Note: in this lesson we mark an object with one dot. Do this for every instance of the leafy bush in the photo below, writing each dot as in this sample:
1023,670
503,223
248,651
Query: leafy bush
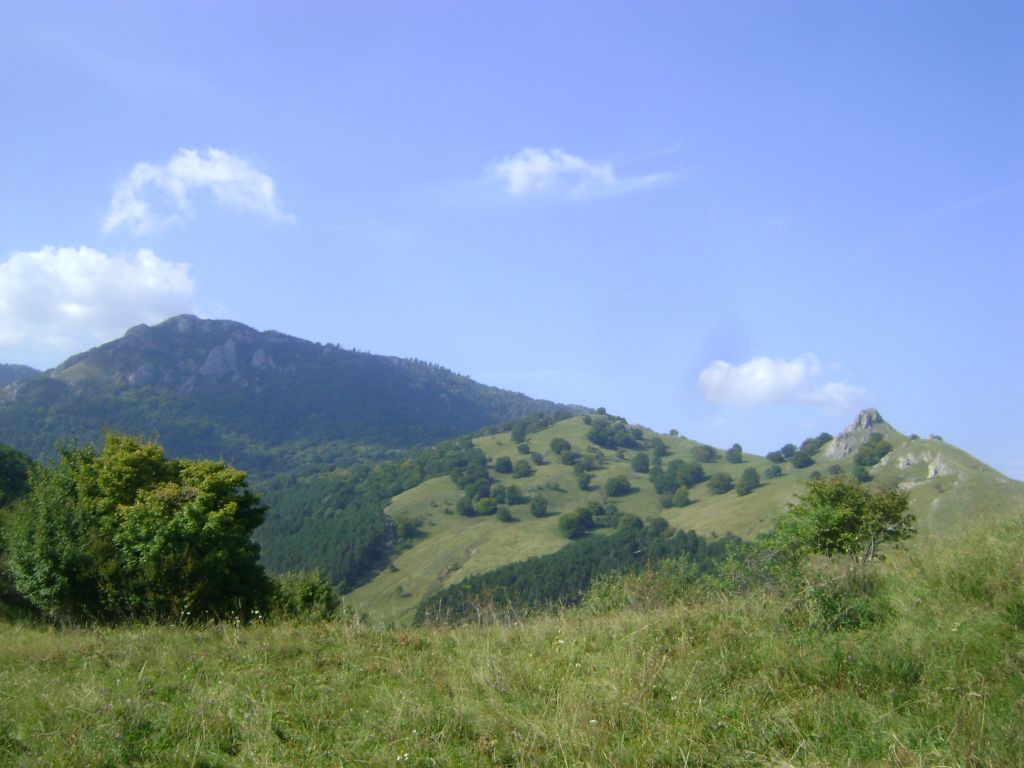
303,596
720,483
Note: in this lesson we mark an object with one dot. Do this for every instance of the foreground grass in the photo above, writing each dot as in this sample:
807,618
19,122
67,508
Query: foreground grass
724,680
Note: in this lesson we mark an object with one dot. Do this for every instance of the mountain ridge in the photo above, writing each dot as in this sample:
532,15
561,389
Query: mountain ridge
221,388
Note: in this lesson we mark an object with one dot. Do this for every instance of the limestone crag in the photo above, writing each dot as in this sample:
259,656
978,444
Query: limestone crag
851,438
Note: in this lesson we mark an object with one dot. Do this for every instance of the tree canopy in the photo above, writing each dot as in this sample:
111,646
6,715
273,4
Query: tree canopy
125,533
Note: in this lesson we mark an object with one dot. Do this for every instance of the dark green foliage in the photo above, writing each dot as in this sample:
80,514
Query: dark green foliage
704,454
560,445
613,432
801,459
719,483
303,596
773,471
12,373
519,431
584,480
485,506
537,458
735,454
265,402
861,475
872,451
508,494
775,457
505,515
787,450
539,506
335,522
14,471
562,578
129,534
641,463
677,473
617,486
748,482
657,446
815,475
569,458
576,524
835,469
813,444
503,464
523,448
681,498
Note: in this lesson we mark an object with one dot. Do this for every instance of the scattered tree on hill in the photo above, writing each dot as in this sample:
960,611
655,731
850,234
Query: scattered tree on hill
748,481
872,451
126,533
503,464
836,516
617,486
834,469
801,459
787,450
522,468
583,481
705,454
611,432
681,498
657,446
523,448
735,454
539,506
775,457
719,483
773,471
641,462
505,515
560,445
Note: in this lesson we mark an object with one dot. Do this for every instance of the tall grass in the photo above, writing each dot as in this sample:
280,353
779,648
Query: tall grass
935,679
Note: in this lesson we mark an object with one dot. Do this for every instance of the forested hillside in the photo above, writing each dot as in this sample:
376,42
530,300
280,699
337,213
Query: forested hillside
265,401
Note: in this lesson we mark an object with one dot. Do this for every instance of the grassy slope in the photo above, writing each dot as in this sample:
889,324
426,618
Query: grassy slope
716,681
455,547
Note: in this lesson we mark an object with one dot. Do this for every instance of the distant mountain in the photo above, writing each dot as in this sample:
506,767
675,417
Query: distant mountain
12,373
263,400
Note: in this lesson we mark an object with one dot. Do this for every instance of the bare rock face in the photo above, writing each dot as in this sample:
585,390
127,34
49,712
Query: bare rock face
221,361
851,438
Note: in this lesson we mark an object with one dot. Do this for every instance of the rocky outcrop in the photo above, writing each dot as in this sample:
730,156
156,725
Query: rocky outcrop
851,438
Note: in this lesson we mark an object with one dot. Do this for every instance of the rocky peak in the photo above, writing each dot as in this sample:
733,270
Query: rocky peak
851,438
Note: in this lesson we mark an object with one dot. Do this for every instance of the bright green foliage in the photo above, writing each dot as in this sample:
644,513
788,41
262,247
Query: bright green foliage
304,596
837,516
748,481
129,534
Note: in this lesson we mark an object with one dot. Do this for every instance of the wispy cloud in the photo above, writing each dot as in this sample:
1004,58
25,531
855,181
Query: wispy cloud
153,196
763,380
533,171
69,298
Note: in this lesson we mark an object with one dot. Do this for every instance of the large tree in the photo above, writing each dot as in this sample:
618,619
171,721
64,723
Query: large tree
126,533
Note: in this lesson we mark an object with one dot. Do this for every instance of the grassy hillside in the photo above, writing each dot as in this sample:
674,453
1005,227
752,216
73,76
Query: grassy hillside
717,679
453,547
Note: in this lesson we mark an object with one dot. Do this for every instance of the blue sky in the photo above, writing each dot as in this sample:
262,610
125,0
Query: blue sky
743,220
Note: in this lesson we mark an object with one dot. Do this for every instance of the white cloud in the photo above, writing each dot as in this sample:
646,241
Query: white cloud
153,196
767,380
70,298
537,171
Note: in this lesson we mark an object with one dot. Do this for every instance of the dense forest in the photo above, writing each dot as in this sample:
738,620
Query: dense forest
562,578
